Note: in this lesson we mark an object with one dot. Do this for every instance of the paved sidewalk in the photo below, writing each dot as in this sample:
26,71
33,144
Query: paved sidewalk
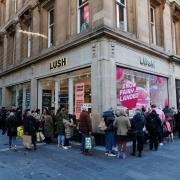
50,162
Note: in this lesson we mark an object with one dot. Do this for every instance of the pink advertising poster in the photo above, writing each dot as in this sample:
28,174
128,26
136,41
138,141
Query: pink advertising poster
79,98
86,13
137,89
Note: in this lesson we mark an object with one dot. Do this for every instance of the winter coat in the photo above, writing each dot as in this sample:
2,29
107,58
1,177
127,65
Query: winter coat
122,124
138,123
60,128
19,118
48,126
12,125
85,125
68,128
177,119
109,119
153,123
30,125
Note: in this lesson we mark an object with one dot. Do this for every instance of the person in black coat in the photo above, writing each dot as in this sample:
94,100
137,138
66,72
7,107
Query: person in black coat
177,120
30,127
153,127
12,125
3,116
19,116
137,124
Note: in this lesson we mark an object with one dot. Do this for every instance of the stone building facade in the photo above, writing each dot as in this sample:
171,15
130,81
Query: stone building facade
96,53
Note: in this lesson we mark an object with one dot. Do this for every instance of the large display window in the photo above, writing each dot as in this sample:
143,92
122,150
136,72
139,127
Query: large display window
73,90
137,89
178,93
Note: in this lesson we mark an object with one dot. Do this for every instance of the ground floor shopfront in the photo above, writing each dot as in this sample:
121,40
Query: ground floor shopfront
99,74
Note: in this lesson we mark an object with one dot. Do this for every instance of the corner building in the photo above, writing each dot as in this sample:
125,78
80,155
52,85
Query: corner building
98,53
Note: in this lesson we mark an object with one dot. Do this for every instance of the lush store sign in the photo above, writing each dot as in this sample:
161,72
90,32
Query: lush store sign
58,63
146,62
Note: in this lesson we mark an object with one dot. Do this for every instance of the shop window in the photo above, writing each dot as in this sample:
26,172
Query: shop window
136,89
178,93
83,15
50,27
74,91
156,22
121,14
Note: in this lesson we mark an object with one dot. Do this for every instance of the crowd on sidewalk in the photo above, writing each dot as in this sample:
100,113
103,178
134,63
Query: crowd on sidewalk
152,124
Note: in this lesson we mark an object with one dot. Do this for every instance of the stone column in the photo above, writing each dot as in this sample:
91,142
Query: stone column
57,92
172,87
103,78
17,95
70,94
35,93
39,96
24,97
6,97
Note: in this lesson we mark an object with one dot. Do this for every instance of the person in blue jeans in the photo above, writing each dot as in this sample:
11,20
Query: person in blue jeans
109,132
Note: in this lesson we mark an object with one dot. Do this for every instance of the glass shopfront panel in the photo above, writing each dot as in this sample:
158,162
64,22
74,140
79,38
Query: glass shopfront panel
178,93
137,89
74,91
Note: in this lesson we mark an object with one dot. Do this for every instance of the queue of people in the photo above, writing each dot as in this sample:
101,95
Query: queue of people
152,124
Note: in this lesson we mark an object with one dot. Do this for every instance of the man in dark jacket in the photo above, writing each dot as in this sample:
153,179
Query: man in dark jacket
153,127
85,127
3,117
109,132
177,119
12,125
31,127
138,124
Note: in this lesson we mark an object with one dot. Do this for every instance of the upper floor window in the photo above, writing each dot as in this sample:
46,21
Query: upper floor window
121,14
12,7
156,10
50,27
83,15
153,25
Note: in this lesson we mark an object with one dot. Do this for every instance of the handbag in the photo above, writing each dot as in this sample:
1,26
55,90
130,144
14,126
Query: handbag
88,143
20,132
40,137
102,126
27,141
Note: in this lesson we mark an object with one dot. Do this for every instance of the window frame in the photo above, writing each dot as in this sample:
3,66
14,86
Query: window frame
29,43
50,27
118,4
79,8
153,25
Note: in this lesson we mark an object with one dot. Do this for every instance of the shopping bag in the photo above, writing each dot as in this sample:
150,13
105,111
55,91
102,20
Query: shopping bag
102,126
20,132
27,141
42,137
38,138
88,143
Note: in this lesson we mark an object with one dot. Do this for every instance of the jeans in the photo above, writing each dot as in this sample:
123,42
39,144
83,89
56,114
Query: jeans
109,140
61,139
12,139
84,135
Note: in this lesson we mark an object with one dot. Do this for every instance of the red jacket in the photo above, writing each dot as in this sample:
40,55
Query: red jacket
85,125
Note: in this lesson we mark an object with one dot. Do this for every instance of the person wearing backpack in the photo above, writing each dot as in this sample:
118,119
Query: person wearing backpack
153,126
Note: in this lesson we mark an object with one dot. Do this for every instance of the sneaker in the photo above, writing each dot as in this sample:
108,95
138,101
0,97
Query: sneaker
106,153
161,144
64,147
69,147
111,155
119,154
15,149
